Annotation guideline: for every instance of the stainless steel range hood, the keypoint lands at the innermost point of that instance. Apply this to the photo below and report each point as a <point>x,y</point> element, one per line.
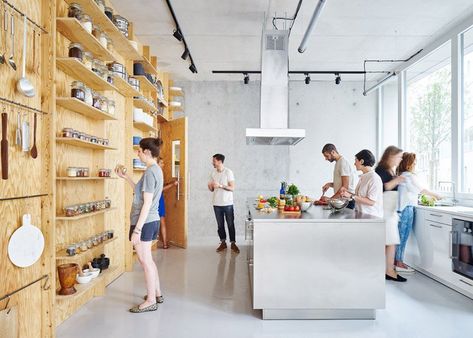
<point>274,109</point>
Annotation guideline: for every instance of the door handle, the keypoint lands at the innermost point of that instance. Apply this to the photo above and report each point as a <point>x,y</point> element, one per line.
<point>436,215</point>
<point>178,184</point>
<point>436,226</point>
<point>450,243</point>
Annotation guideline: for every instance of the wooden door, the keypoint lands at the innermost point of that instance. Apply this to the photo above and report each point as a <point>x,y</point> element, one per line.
<point>174,154</point>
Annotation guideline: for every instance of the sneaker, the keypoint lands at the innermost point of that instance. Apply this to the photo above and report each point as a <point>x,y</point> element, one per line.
<point>235,248</point>
<point>407,269</point>
<point>221,247</point>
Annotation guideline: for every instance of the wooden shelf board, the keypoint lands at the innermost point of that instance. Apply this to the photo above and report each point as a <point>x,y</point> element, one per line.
<point>140,103</point>
<point>75,68</point>
<point>149,68</point>
<point>124,87</point>
<point>72,29</point>
<point>80,107</point>
<point>83,144</point>
<point>163,102</point>
<point>90,178</point>
<point>161,118</point>
<point>90,214</point>
<point>146,84</point>
<point>139,169</point>
<point>62,256</point>
<point>120,42</point>
<point>83,288</point>
<point>176,92</point>
<point>144,127</point>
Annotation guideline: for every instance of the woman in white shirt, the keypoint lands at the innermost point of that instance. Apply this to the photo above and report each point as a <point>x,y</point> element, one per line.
<point>409,191</point>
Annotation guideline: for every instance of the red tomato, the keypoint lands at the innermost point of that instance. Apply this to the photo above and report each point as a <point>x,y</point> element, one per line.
<point>290,209</point>
<point>296,208</point>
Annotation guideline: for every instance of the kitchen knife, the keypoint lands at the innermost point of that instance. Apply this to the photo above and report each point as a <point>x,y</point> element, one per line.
<point>4,147</point>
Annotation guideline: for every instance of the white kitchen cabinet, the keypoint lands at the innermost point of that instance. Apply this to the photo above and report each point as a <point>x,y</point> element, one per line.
<point>416,246</point>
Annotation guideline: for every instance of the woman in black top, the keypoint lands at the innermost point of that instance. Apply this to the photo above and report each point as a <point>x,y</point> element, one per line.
<point>386,169</point>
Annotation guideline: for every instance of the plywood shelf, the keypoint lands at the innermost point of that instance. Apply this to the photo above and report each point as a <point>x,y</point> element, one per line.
<point>61,255</point>
<point>72,29</point>
<point>148,66</point>
<point>176,92</point>
<point>83,288</point>
<point>91,178</point>
<point>83,144</point>
<point>124,87</point>
<point>90,214</point>
<point>80,107</point>
<point>146,84</point>
<point>120,42</point>
<point>75,68</point>
<point>163,102</point>
<point>144,127</point>
<point>145,105</point>
<point>139,169</point>
<point>161,118</point>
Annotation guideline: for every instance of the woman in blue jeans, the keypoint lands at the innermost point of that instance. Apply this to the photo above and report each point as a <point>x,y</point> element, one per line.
<point>409,191</point>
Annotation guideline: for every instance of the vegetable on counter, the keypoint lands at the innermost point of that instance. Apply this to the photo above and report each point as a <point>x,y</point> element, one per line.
<point>427,200</point>
<point>293,190</point>
<point>273,202</point>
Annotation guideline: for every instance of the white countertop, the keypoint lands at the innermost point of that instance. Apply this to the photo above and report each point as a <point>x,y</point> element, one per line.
<point>453,210</point>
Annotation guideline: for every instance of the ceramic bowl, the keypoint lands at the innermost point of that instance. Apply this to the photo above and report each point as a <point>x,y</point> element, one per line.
<point>95,272</point>
<point>86,278</point>
<point>305,205</point>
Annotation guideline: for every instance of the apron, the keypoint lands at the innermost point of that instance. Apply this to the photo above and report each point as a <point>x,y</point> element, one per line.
<point>391,217</point>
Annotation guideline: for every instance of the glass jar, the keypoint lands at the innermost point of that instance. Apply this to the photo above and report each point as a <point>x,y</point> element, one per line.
<point>109,43</point>
<point>76,50</point>
<point>90,244</point>
<point>77,90</point>
<point>93,139</point>
<point>82,136</point>
<point>88,96</point>
<point>86,22</point>
<point>96,100</point>
<point>103,39</point>
<point>70,211</point>
<point>71,172</point>
<point>109,76</point>
<point>103,104</point>
<point>83,246</point>
<point>96,31</point>
<point>111,107</point>
<point>105,141</point>
<point>67,132</point>
<point>102,172</point>
<point>86,172</point>
<point>98,67</point>
<point>75,134</point>
<point>110,234</point>
<point>71,250</point>
<point>87,59</point>
<point>101,4</point>
<point>98,238</point>
<point>109,13</point>
<point>75,11</point>
<point>108,203</point>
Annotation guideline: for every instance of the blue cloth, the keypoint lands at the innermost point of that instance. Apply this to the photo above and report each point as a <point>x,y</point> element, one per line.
<point>405,224</point>
<point>161,207</point>
<point>149,232</point>
<point>223,213</point>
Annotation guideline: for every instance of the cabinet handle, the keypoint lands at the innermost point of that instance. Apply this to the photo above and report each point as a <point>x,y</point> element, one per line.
<point>450,243</point>
<point>463,281</point>
<point>436,215</point>
<point>436,226</point>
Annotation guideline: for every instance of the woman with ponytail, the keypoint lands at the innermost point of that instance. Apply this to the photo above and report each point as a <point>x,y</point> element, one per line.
<point>144,219</point>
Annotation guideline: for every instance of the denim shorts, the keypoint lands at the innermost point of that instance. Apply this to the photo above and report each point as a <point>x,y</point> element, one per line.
<point>149,232</point>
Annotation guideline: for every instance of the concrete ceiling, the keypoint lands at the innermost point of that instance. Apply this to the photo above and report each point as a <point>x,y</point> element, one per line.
<point>226,34</point>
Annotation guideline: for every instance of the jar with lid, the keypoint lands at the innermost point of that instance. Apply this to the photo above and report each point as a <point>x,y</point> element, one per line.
<point>110,234</point>
<point>93,139</point>
<point>96,31</point>
<point>101,4</point>
<point>102,172</point>
<point>104,104</point>
<point>87,137</point>
<point>90,244</point>
<point>82,136</point>
<point>99,140</point>
<point>109,13</point>
<point>76,50</point>
<point>75,11</point>
<point>98,238</point>
<point>98,67</point>
<point>108,203</point>
<point>109,43</point>
<point>87,59</point>
<point>95,100</point>
<point>111,107</point>
<point>70,211</point>
<point>71,250</point>
<point>67,132</point>
<point>75,134</point>
<point>77,90</point>
<point>109,76</point>
<point>103,39</point>
<point>86,171</point>
<point>88,96</point>
<point>105,141</point>
<point>83,246</point>
<point>71,172</point>
<point>86,22</point>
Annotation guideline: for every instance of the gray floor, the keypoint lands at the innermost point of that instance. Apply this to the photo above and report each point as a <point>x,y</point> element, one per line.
<point>208,295</point>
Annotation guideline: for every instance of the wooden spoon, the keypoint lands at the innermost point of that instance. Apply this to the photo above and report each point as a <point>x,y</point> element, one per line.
<point>34,150</point>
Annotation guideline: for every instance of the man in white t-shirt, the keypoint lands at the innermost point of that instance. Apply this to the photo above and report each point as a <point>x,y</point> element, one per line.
<point>222,184</point>
<point>344,175</point>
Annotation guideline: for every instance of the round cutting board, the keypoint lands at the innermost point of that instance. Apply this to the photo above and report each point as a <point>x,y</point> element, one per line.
<point>26,244</point>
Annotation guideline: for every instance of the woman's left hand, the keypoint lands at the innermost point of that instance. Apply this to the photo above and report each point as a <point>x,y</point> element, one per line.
<point>135,239</point>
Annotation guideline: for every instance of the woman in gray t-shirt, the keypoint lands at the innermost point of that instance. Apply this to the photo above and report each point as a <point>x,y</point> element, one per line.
<point>144,219</point>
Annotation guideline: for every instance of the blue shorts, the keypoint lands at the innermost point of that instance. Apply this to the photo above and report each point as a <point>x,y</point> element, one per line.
<point>149,232</point>
<point>161,208</point>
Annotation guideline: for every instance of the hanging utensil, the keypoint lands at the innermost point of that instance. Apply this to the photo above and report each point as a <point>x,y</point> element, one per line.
<point>23,85</point>
<point>26,245</point>
<point>2,55</point>
<point>4,146</point>
<point>11,60</point>
<point>34,51</point>
<point>25,136</point>
<point>34,150</point>
<point>18,130</point>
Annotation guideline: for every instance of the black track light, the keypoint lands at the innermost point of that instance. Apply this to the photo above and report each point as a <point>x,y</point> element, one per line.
<point>192,68</point>
<point>338,79</point>
<point>177,34</point>
<point>246,79</point>
<point>307,78</point>
<point>185,54</point>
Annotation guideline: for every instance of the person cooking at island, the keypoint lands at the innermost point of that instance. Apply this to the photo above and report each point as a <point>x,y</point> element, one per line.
<point>344,174</point>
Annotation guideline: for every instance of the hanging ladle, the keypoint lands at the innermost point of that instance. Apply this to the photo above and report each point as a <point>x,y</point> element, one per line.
<point>11,60</point>
<point>24,85</point>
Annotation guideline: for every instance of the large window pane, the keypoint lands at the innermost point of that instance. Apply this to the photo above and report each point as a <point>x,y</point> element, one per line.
<point>428,115</point>
<point>467,125</point>
<point>390,115</point>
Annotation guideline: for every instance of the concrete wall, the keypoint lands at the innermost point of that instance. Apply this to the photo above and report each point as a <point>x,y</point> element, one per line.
<point>218,114</point>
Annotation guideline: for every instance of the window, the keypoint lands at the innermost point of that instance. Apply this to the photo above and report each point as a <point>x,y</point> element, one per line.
<point>466,155</point>
<point>428,115</point>
<point>390,115</point>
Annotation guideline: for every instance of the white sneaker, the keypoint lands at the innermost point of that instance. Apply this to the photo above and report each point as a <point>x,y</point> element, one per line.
<point>405,270</point>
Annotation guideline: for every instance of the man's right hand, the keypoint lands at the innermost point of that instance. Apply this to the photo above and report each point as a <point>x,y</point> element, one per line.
<point>326,186</point>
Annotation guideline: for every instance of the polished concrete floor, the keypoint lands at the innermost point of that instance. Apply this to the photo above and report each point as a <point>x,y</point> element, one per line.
<point>208,295</point>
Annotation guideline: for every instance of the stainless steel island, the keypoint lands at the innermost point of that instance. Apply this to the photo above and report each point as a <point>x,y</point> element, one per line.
<point>317,265</point>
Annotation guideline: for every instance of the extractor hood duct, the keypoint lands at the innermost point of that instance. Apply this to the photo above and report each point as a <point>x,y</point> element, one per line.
<point>274,109</point>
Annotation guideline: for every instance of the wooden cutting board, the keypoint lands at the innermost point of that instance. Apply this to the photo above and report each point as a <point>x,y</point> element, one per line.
<point>9,323</point>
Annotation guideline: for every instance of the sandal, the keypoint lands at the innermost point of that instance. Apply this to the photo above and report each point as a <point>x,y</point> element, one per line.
<point>159,299</point>
<point>136,309</point>
<point>165,246</point>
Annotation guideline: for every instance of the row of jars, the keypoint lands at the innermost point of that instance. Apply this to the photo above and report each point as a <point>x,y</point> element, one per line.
<point>82,246</point>
<point>85,208</point>
<point>72,133</point>
<point>92,98</point>
<point>85,172</point>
